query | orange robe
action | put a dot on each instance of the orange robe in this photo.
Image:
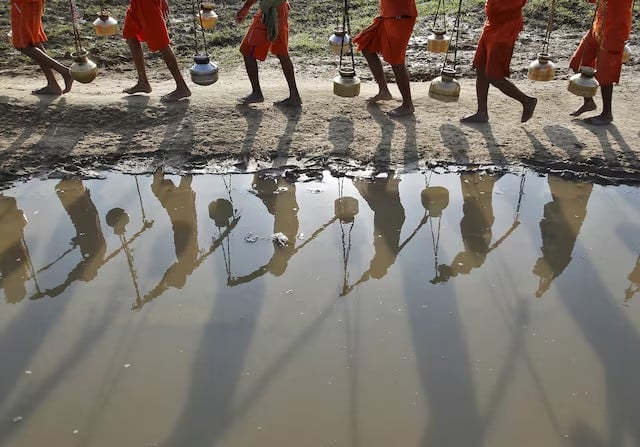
(603, 45)
(145, 21)
(499, 34)
(26, 23)
(256, 42)
(390, 32)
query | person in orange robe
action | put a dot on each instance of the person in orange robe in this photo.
(145, 21)
(269, 32)
(602, 48)
(389, 35)
(28, 37)
(493, 57)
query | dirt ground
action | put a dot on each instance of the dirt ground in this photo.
(96, 127)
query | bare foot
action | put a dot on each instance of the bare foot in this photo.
(600, 120)
(68, 81)
(401, 111)
(48, 90)
(475, 118)
(527, 109)
(382, 96)
(291, 101)
(253, 98)
(588, 106)
(138, 88)
(176, 95)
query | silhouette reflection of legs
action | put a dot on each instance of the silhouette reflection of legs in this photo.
(13, 250)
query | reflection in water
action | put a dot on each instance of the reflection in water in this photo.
(634, 277)
(13, 250)
(560, 226)
(76, 201)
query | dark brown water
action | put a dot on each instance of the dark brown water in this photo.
(458, 309)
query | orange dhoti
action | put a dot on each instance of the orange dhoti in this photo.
(26, 23)
(495, 48)
(388, 36)
(256, 43)
(145, 21)
(603, 45)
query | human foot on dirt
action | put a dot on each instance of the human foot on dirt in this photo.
(253, 98)
(140, 87)
(68, 81)
(600, 120)
(527, 109)
(48, 90)
(291, 101)
(401, 111)
(475, 118)
(588, 106)
(176, 95)
(382, 96)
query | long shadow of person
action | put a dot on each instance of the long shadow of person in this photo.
(493, 148)
(564, 139)
(283, 150)
(13, 250)
(410, 152)
(254, 120)
(136, 106)
(602, 134)
(456, 142)
(382, 155)
(341, 135)
(559, 228)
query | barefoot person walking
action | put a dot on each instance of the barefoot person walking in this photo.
(146, 22)
(389, 35)
(493, 57)
(28, 37)
(269, 31)
(602, 48)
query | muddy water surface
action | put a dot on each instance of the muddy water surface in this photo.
(447, 309)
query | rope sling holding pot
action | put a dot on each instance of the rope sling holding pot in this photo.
(346, 84)
(445, 87)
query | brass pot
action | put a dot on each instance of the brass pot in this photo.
(346, 84)
(438, 41)
(542, 69)
(105, 25)
(584, 83)
(339, 41)
(83, 69)
(445, 87)
(207, 17)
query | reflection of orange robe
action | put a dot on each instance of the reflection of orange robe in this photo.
(145, 22)
(603, 44)
(26, 23)
(256, 43)
(390, 32)
(499, 34)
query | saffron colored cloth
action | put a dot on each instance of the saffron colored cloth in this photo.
(145, 21)
(388, 36)
(26, 23)
(499, 34)
(398, 8)
(603, 45)
(256, 42)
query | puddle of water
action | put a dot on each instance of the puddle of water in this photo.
(446, 309)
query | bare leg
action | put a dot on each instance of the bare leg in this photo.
(251, 65)
(289, 74)
(587, 106)
(509, 88)
(142, 86)
(375, 65)
(48, 66)
(181, 91)
(482, 95)
(606, 117)
(402, 79)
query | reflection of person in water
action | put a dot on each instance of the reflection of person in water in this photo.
(383, 197)
(13, 252)
(180, 204)
(475, 226)
(279, 197)
(76, 200)
(634, 277)
(560, 226)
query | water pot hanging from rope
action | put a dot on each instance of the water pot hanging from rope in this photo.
(438, 41)
(105, 25)
(626, 53)
(339, 41)
(207, 16)
(584, 83)
(203, 71)
(435, 199)
(83, 69)
(542, 69)
(346, 84)
(445, 87)
(346, 209)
